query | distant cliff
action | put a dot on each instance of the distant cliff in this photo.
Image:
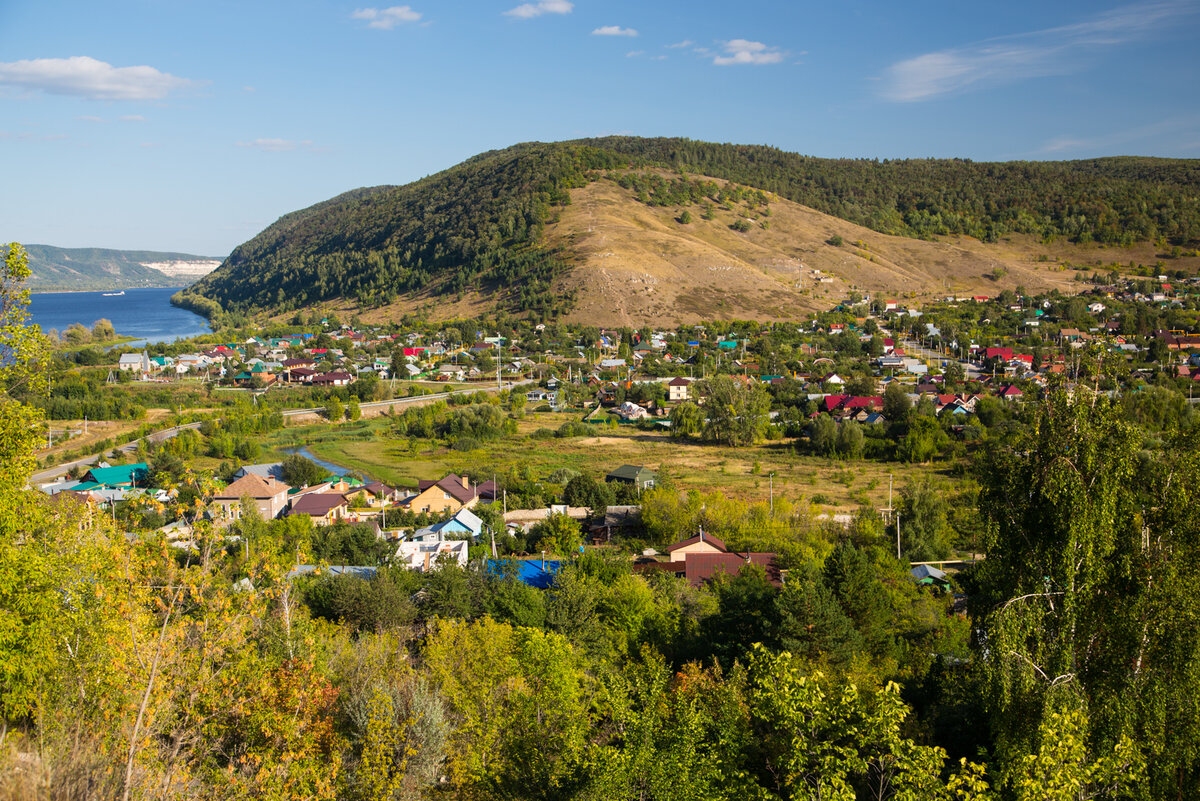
(56, 268)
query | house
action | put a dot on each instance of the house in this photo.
(123, 475)
(930, 576)
(701, 543)
(333, 379)
(448, 494)
(631, 411)
(465, 523)
(423, 556)
(677, 389)
(135, 362)
(640, 477)
(323, 508)
(380, 490)
(299, 375)
(269, 496)
(269, 470)
(1010, 392)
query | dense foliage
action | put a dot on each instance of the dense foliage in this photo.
(476, 225)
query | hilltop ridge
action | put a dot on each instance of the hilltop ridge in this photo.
(501, 232)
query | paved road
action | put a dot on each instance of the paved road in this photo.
(49, 475)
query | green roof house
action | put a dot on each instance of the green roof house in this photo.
(641, 477)
(123, 475)
(930, 576)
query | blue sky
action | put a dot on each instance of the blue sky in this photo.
(191, 125)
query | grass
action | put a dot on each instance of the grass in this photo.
(367, 447)
(63, 347)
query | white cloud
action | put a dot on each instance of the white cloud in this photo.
(614, 30)
(384, 19)
(1053, 51)
(276, 145)
(684, 43)
(133, 118)
(530, 10)
(89, 118)
(742, 51)
(635, 53)
(82, 76)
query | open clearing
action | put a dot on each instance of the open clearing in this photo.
(744, 473)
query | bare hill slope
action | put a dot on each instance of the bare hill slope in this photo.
(635, 263)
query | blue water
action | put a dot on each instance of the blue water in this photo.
(146, 314)
(334, 469)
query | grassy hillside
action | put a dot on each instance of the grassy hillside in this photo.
(1110, 200)
(474, 236)
(56, 268)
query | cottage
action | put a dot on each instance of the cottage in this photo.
(677, 389)
(465, 523)
(323, 508)
(134, 362)
(701, 543)
(423, 556)
(641, 477)
(269, 497)
(448, 494)
(930, 576)
(125, 475)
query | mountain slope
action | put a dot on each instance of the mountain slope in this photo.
(474, 237)
(635, 263)
(54, 268)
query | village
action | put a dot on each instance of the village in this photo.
(872, 379)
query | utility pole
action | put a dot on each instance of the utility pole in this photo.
(771, 485)
(897, 535)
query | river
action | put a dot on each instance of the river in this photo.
(146, 314)
(334, 469)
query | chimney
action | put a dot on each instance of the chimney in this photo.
(466, 482)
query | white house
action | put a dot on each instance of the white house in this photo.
(427, 555)
(138, 362)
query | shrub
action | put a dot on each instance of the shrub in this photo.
(574, 429)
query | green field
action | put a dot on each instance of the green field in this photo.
(744, 473)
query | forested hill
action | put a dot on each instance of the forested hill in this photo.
(477, 223)
(478, 226)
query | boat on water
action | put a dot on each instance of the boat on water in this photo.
(112, 294)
